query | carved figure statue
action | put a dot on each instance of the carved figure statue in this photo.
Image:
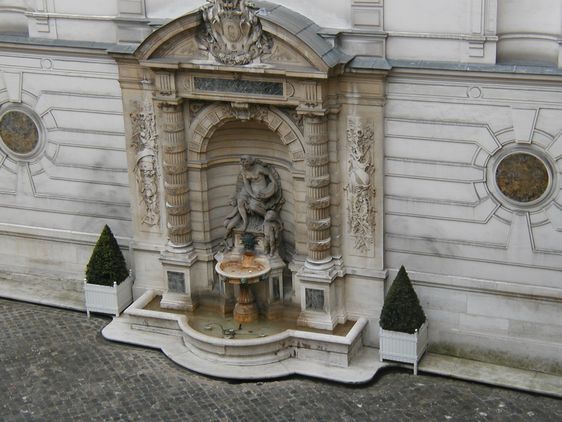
(272, 229)
(258, 192)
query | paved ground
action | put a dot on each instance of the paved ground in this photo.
(54, 365)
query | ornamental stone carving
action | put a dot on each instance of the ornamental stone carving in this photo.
(360, 189)
(233, 33)
(145, 144)
(256, 204)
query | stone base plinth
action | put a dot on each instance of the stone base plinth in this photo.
(177, 301)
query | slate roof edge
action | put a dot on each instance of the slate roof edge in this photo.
(89, 45)
(519, 69)
(332, 56)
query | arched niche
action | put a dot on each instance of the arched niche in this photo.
(217, 139)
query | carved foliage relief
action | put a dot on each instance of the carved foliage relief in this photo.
(232, 32)
(145, 145)
(360, 188)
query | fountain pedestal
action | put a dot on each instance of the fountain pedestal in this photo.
(245, 310)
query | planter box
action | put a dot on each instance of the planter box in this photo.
(108, 299)
(403, 347)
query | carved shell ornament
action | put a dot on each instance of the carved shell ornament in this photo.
(233, 33)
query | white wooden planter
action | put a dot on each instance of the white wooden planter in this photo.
(403, 347)
(108, 299)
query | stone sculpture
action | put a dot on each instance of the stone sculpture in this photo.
(257, 203)
(360, 189)
(145, 143)
(272, 229)
(232, 32)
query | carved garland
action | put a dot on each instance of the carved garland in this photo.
(360, 189)
(145, 144)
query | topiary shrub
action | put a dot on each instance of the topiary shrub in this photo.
(107, 264)
(402, 310)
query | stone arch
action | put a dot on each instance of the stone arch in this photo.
(203, 130)
(216, 115)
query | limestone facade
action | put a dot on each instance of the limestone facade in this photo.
(385, 123)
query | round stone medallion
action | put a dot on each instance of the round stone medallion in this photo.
(19, 133)
(522, 177)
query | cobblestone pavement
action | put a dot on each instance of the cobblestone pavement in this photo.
(54, 365)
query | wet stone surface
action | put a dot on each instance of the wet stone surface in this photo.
(54, 365)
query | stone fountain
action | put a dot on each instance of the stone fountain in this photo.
(244, 271)
(274, 92)
(255, 333)
(253, 235)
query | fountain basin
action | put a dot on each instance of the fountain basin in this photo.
(333, 357)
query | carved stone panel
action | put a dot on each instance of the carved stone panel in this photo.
(233, 33)
(145, 145)
(360, 188)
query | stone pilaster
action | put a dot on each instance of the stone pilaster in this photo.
(317, 179)
(318, 277)
(175, 176)
(179, 258)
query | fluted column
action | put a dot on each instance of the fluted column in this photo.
(175, 175)
(317, 176)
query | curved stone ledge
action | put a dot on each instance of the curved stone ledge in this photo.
(341, 358)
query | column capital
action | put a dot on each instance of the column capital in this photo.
(308, 110)
(168, 102)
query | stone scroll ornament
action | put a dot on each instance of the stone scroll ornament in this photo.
(232, 32)
(360, 189)
(145, 144)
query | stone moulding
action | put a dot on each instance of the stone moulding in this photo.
(339, 358)
(360, 190)
(216, 114)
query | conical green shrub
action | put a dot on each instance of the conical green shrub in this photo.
(107, 263)
(402, 310)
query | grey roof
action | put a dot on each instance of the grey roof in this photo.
(369, 63)
(18, 39)
(378, 63)
(477, 67)
(305, 29)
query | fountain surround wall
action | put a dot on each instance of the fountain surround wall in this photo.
(289, 86)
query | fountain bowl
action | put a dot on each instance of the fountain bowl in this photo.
(244, 270)
(237, 271)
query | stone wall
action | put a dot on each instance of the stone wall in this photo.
(488, 270)
(56, 199)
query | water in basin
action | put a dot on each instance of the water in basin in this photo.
(210, 323)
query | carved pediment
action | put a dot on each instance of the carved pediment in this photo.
(237, 33)
(283, 54)
(183, 47)
(186, 48)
